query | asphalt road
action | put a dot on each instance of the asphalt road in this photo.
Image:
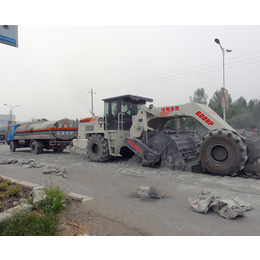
(112, 187)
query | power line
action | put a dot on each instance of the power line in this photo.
(172, 75)
(177, 76)
(56, 100)
(150, 80)
(171, 72)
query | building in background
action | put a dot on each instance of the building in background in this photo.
(5, 118)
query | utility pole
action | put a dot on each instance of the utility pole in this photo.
(11, 111)
(92, 105)
(223, 50)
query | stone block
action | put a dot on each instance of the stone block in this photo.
(87, 199)
(38, 195)
(6, 215)
(27, 184)
(76, 196)
(19, 208)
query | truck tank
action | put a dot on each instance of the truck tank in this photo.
(60, 130)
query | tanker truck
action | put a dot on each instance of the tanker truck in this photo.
(42, 134)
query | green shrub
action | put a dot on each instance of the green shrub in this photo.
(13, 191)
(54, 202)
(42, 221)
(3, 186)
(5, 180)
(30, 224)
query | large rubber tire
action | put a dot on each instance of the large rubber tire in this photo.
(253, 145)
(12, 146)
(35, 149)
(97, 148)
(222, 152)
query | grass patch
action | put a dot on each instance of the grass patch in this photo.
(42, 221)
(30, 224)
(3, 186)
(13, 191)
(54, 201)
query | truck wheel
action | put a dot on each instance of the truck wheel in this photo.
(222, 152)
(97, 148)
(35, 149)
(12, 146)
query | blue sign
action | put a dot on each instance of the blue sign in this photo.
(9, 35)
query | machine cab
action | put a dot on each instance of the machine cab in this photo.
(119, 111)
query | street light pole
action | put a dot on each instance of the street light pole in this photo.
(92, 106)
(11, 110)
(224, 51)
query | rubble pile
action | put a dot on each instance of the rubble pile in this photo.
(31, 163)
(55, 171)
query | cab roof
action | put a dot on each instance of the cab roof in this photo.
(130, 97)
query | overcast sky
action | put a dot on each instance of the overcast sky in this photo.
(52, 71)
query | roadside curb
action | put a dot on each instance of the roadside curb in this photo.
(36, 189)
(79, 197)
(35, 186)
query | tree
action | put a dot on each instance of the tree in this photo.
(199, 96)
(252, 104)
(254, 109)
(215, 103)
(240, 114)
(237, 107)
(256, 113)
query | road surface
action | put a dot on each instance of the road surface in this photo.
(112, 187)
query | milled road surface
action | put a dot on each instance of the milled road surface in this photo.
(112, 187)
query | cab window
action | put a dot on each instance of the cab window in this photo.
(114, 110)
(130, 109)
(10, 129)
(106, 109)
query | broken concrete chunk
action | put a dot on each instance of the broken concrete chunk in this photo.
(21, 162)
(145, 189)
(38, 194)
(57, 171)
(3, 162)
(48, 171)
(13, 161)
(24, 207)
(15, 203)
(154, 194)
(9, 161)
(151, 192)
(34, 165)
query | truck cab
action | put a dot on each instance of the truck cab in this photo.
(11, 132)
